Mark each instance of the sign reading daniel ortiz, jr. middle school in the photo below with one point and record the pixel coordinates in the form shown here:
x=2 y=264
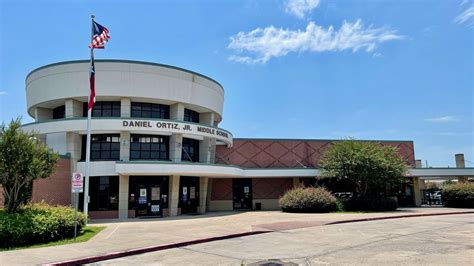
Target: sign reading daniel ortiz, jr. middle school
x=180 y=127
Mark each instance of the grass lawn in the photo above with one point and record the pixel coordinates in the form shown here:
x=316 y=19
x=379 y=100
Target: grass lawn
x=86 y=233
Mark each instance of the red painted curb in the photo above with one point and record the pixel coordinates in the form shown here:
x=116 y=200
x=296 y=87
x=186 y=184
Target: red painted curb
x=137 y=251
x=130 y=252
x=397 y=217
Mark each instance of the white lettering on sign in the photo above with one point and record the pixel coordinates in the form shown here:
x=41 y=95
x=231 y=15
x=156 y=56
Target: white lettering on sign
x=179 y=127
x=77 y=182
x=155 y=208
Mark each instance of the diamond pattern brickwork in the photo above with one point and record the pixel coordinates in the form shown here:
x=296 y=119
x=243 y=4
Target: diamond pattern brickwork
x=274 y=153
x=270 y=188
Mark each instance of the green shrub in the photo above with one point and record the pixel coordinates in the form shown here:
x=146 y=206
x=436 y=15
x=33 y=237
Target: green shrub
x=373 y=203
x=38 y=223
x=459 y=195
x=310 y=199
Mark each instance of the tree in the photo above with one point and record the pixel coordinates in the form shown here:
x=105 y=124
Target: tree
x=22 y=160
x=370 y=166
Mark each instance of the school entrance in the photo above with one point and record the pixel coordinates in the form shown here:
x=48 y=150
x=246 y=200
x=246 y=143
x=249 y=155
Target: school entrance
x=148 y=195
x=188 y=194
x=242 y=193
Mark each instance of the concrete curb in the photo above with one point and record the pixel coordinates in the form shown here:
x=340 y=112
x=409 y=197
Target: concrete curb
x=397 y=217
x=137 y=251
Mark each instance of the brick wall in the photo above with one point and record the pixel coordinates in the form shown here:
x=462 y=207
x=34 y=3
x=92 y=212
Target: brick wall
x=55 y=189
x=275 y=153
x=221 y=189
x=270 y=188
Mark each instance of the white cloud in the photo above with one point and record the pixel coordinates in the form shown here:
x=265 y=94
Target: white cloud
x=466 y=16
x=3 y=93
x=443 y=119
x=260 y=45
x=300 y=8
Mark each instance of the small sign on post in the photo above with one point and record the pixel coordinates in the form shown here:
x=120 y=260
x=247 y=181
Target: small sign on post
x=77 y=186
x=77 y=183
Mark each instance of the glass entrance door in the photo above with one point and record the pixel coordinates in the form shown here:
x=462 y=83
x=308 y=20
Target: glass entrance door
x=149 y=200
x=242 y=193
x=189 y=194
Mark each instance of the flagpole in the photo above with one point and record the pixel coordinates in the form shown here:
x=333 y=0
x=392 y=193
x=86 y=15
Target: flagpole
x=88 y=146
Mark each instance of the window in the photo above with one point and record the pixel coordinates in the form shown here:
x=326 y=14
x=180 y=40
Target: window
x=103 y=191
x=104 y=109
x=149 y=147
x=191 y=116
x=103 y=147
x=150 y=110
x=59 y=112
x=190 y=151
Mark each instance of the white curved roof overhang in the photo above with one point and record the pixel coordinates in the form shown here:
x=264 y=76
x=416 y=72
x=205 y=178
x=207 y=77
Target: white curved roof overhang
x=132 y=125
x=49 y=86
x=230 y=171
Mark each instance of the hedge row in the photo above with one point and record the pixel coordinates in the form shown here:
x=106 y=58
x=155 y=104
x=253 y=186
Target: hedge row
x=38 y=223
x=459 y=195
x=308 y=199
x=372 y=203
x=318 y=199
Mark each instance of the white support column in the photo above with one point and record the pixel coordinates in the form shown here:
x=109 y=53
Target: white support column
x=125 y=107
x=176 y=144
x=173 y=195
x=203 y=185
x=416 y=191
x=177 y=112
x=42 y=114
x=206 y=118
x=124 y=146
x=205 y=150
x=123 y=197
x=73 y=108
x=73 y=147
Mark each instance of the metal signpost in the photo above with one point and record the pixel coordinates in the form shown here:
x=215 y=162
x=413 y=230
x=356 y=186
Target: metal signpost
x=77 y=187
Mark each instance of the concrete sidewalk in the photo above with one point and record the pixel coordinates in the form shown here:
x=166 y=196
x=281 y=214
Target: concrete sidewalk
x=138 y=233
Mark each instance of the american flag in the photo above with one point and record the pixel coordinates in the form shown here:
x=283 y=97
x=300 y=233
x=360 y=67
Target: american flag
x=100 y=37
x=92 y=85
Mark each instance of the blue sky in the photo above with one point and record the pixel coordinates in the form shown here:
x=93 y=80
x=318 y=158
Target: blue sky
x=291 y=69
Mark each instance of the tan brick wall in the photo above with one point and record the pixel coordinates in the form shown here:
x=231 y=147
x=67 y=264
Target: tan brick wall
x=55 y=189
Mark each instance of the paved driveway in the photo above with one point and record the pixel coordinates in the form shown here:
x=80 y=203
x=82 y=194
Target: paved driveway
x=442 y=240
x=138 y=233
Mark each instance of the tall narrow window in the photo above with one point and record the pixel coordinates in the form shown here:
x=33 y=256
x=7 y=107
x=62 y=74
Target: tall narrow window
x=150 y=110
x=190 y=151
x=104 y=109
x=149 y=147
x=104 y=147
x=59 y=112
x=191 y=116
x=103 y=193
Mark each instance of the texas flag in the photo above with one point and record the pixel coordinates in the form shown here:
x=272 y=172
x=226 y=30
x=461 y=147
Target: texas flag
x=99 y=38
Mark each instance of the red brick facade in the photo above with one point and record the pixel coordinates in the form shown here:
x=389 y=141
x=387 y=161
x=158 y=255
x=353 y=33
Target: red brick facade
x=55 y=189
x=274 y=153
x=270 y=188
x=221 y=189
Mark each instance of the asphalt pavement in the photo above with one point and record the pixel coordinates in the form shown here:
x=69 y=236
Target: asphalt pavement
x=435 y=240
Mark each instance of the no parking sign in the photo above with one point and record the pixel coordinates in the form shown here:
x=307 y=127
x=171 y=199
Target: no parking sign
x=77 y=182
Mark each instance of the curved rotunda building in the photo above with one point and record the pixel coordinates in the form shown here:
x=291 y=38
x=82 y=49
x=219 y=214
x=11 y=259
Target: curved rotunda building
x=157 y=148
